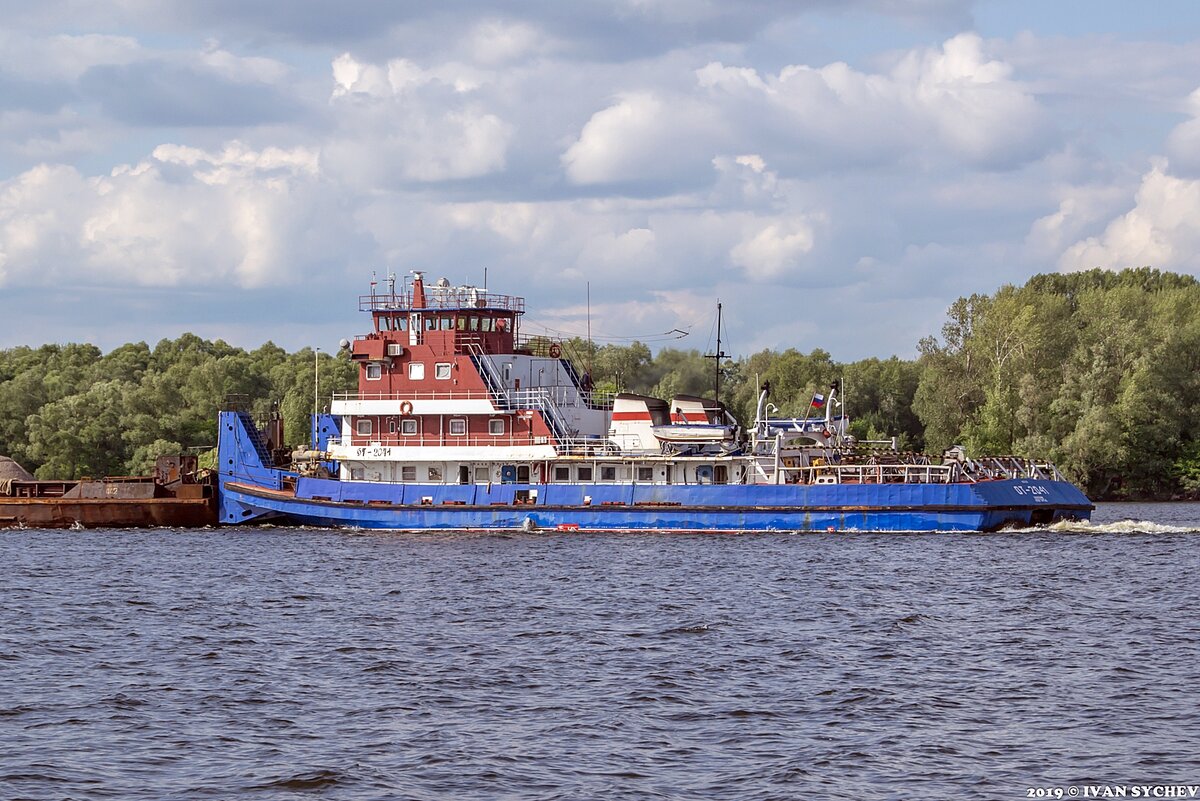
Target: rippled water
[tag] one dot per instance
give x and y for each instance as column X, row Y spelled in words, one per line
column 294, row 663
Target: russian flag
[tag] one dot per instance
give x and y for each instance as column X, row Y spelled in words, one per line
column 818, row 401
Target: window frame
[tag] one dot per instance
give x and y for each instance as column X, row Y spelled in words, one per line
column 416, row 371
column 375, row 367
column 438, row 370
column 453, row 423
column 364, row 423
column 405, row 424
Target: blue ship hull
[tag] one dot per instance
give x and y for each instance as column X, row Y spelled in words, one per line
column 251, row 492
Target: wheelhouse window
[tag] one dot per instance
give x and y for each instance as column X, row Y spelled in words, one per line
column 584, row 473
column 441, row 371
column 608, row 473
column 458, row 427
column 486, row 324
column 481, row 475
column 562, row 474
column 362, row 426
column 447, row 323
column 416, row 370
column 496, row 427
column 408, row 472
column 645, row 474
column 408, row 427
column 374, row 371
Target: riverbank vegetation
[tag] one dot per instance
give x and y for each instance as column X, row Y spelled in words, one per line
column 1098, row 371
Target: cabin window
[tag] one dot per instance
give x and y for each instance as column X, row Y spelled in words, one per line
column 584, row 473
column 356, row 474
column 447, row 323
column 508, row 371
column 408, row 472
column 401, row 323
column 374, row 371
column 496, row 427
column 441, row 371
column 430, row 323
column 408, row 426
column 391, row 425
column 562, row 474
column 458, row 427
column 608, row 473
column 720, row 474
column 481, row 475
column 523, row 474
column 485, row 324
column 363, row 426
column 435, row 474
column 462, row 323
column 645, row 474
column 416, row 370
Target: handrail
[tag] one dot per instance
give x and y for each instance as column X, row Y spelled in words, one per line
column 449, row 394
column 566, row 446
column 876, row 473
column 438, row 299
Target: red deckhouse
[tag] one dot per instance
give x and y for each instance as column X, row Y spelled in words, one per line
column 446, row 367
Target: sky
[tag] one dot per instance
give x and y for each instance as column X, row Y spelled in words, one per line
column 834, row 172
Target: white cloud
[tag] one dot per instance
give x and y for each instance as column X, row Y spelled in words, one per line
column 64, row 57
column 1162, row 229
column 774, row 249
column 400, row 123
column 495, row 41
column 182, row 217
column 951, row 99
column 1183, row 143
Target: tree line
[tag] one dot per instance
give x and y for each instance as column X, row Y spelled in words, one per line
column 1098, row 371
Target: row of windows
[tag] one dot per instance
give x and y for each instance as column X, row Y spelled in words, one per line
column 562, row 473
column 457, row 426
column 416, row 371
column 448, row 322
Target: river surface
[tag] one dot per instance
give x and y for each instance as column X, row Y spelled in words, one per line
column 300, row 663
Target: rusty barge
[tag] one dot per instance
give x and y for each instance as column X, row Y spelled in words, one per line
column 177, row 495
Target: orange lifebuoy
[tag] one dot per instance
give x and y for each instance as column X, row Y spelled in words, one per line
column 406, row 408
column 827, row 433
column 555, row 350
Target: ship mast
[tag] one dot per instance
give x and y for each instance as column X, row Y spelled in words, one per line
column 716, row 357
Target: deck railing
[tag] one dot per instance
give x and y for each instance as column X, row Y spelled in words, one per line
column 533, row 398
column 375, row 446
column 438, row 299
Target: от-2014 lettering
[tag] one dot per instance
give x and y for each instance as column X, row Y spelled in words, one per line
column 1039, row 493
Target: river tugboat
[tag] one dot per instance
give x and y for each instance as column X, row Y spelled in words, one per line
column 462, row 422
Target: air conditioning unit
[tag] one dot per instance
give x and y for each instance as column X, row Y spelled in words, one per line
column 395, row 349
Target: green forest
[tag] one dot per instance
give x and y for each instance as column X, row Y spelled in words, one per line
column 1098, row 371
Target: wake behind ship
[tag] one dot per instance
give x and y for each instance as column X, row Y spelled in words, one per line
column 462, row 422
